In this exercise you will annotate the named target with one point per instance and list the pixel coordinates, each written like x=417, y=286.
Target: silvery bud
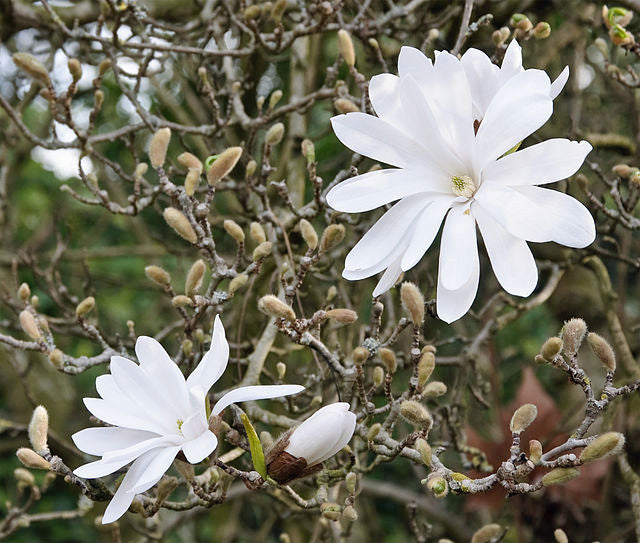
x=180, y=224
x=607, y=444
x=158, y=275
x=535, y=451
x=573, y=333
x=602, y=350
x=29, y=324
x=85, y=306
x=333, y=234
x=31, y=459
x=560, y=536
x=487, y=533
x=415, y=413
x=413, y=302
x=194, y=277
x=158, y=147
x=274, y=307
x=308, y=234
x=263, y=250
x=38, y=428
x=345, y=46
x=238, y=282
x=223, y=165
x=434, y=389
x=343, y=316
x=551, y=348
x=234, y=230
x=523, y=417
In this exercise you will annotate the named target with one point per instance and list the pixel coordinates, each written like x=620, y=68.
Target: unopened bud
x=622, y=170
x=308, y=150
x=281, y=369
x=180, y=224
x=29, y=325
x=262, y=251
x=345, y=46
x=181, y=301
x=333, y=234
x=330, y=511
x=252, y=12
x=274, y=307
x=551, y=348
x=158, y=147
x=32, y=66
x=24, y=476
x=250, y=169
x=500, y=36
x=274, y=134
x=487, y=533
x=257, y=232
x=31, y=459
x=24, y=292
x=559, y=476
x=359, y=355
x=223, y=165
x=158, y=275
x=75, y=69
x=415, y=413
x=275, y=97
x=343, y=316
x=535, y=451
x=190, y=161
x=602, y=46
x=424, y=449
x=104, y=66
x=38, y=428
x=187, y=347
x=191, y=181
x=378, y=376
x=56, y=357
x=620, y=36
x=602, y=350
x=344, y=105
x=607, y=444
x=194, y=277
x=308, y=234
x=521, y=21
x=234, y=230
x=374, y=431
x=413, y=302
x=85, y=306
x=185, y=469
x=238, y=282
x=388, y=358
x=426, y=365
x=560, y=536
x=542, y=30
x=165, y=487
x=438, y=485
x=523, y=417
x=435, y=389
x=350, y=514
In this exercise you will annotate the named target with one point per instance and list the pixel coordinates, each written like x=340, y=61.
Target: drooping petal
x=458, y=248
x=200, y=447
x=154, y=470
x=483, y=77
x=510, y=257
x=101, y=440
x=257, y=392
x=512, y=62
x=389, y=278
x=384, y=95
x=546, y=162
x=559, y=83
x=454, y=304
x=519, y=108
x=214, y=361
x=373, y=189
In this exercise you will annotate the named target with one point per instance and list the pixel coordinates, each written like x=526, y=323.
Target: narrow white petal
x=546, y=162
x=99, y=468
x=389, y=278
x=519, y=108
x=214, y=361
x=199, y=448
x=374, y=189
x=512, y=62
x=559, y=83
x=155, y=470
x=121, y=416
x=412, y=61
x=454, y=304
x=482, y=75
x=458, y=248
x=195, y=424
x=100, y=440
x=510, y=257
x=385, y=261
x=128, y=454
x=384, y=95
x=258, y=392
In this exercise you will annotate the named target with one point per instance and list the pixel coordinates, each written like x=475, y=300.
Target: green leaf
x=257, y=455
x=208, y=161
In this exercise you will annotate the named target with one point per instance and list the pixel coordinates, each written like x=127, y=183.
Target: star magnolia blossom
x=448, y=128
x=155, y=414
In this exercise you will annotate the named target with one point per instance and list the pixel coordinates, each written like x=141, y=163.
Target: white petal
x=196, y=423
x=258, y=392
x=511, y=258
x=546, y=162
x=458, y=248
x=101, y=440
x=559, y=83
x=108, y=389
x=377, y=139
x=389, y=278
x=384, y=95
x=482, y=75
x=374, y=189
x=199, y=448
x=347, y=428
x=384, y=236
x=121, y=416
x=412, y=61
x=393, y=257
x=512, y=62
x=99, y=468
x=519, y=108
x=138, y=449
x=214, y=362
x=425, y=230
x=155, y=470
x=453, y=304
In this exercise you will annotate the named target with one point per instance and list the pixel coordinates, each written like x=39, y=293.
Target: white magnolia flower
x=317, y=439
x=451, y=168
x=155, y=414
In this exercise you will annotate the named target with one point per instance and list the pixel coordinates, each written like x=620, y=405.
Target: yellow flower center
x=463, y=185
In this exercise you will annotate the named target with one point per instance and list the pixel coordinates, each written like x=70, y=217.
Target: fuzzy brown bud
x=602, y=350
x=487, y=533
x=180, y=224
x=158, y=147
x=573, y=333
x=274, y=134
x=308, y=233
x=29, y=324
x=262, y=251
x=257, y=232
x=523, y=417
x=424, y=449
x=38, y=429
x=378, y=376
x=535, y=451
x=344, y=105
x=223, y=165
x=274, y=307
x=190, y=161
x=560, y=536
x=24, y=292
x=343, y=316
x=194, y=278
x=415, y=413
x=85, y=306
x=426, y=365
x=388, y=358
x=191, y=181
x=434, y=389
x=551, y=348
x=359, y=355
x=607, y=444
x=559, y=476
x=31, y=459
x=181, y=301
x=158, y=275
x=238, y=282
x=234, y=230
x=75, y=69
x=345, y=46
x=332, y=236
x=32, y=66
x=413, y=302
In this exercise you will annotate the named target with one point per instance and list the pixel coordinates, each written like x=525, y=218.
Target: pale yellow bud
x=332, y=292
x=438, y=485
x=31, y=459
x=374, y=431
x=602, y=350
x=250, y=168
x=252, y=12
x=308, y=150
x=158, y=147
x=223, y=165
x=238, y=282
x=263, y=250
x=191, y=181
x=281, y=369
x=180, y=224
x=330, y=511
x=486, y=533
x=75, y=69
x=139, y=172
x=187, y=347
x=560, y=536
x=415, y=413
x=542, y=30
x=388, y=358
x=234, y=230
x=349, y=514
x=345, y=46
x=535, y=451
x=29, y=325
x=424, y=449
x=194, y=278
x=38, y=428
x=158, y=275
x=274, y=134
x=308, y=234
x=378, y=376
x=56, y=357
x=24, y=476
x=551, y=348
x=181, y=301
x=275, y=97
x=523, y=417
x=104, y=66
x=85, y=306
x=190, y=161
x=344, y=105
x=434, y=389
x=271, y=305
x=359, y=355
x=332, y=236
x=257, y=232
x=343, y=316
x=350, y=482
x=413, y=302
x=32, y=66
x=607, y=444
x=559, y=476
x=426, y=365
x=24, y=292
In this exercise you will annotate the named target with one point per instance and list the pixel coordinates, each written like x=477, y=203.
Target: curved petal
x=412, y=61
x=258, y=392
x=519, y=108
x=483, y=76
x=154, y=470
x=546, y=162
x=454, y=304
x=510, y=257
x=196, y=423
x=512, y=62
x=214, y=362
x=388, y=279
x=458, y=248
x=374, y=189
x=101, y=440
x=393, y=257
x=347, y=428
x=135, y=450
x=121, y=416
x=384, y=95
x=199, y=448
x=559, y=83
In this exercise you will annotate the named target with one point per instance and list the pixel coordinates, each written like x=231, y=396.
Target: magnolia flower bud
x=424, y=449
x=378, y=376
x=238, y=282
x=486, y=533
x=426, y=365
x=349, y=513
x=345, y=46
x=343, y=316
x=559, y=476
x=38, y=428
x=181, y=301
x=24, y=292
x=535, y=451
x=75, y=69
x=85, y=306
x=281, y=369
x=189, y=161
x=252, y=12
x=523, y=417
x=24, y=476
x=234, y=230
x=602, y=350
x=223, y=165
x=158, y=147
x=388, y=358
x=194, y=277
x=29, y=325
x=350, y=482
x=263, y=250
x=415, y=413
x=500, y=36
x=275, y=97
x=274, y=134
x=56, y=357
x=257, y=232
x=344, y=105
x=542, y=30
x=31, y=459
x=333, y=234
x=620, y=36
x=308, y=234
x=274, y=307
x=551, y=348
x=158, y=275
x=374, y=431
x=438, y=485
x=359, y=355
x=165, y=487
x=180, y=224
x=521, y=21
x=318, y=438
x=185, y=469
x=434, y=389
x=32, y=66
x=308, y=150
x=560, y=536
x=191, y=181
x=330, y=511
x=607, y=444
x=413, y=302
x=250, y=168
